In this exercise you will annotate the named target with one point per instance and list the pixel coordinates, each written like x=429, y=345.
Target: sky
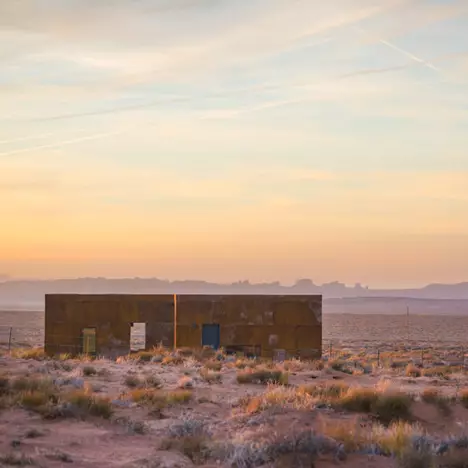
x=235, y=139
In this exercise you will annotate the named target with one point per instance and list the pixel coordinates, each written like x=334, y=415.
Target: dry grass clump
x=211, y=376
x=195, y=447
x=4, y=385
x=34, y=399
x=359, y=399
x=172, y=361
x=213, y=365
x=185, y=382
x=160, y=398
x=464, y=397
x=191, y=437
x=90, y=404
x=454, y=459
x=243, y=363
x=262, y=376
x=30, y=384
x=294, y=365
x=392, y=406
x=442, y=372
x=89, y=371
x=414, y=458
x=348, y=432
x=339, y=365
x=434, y=396
x=16, y=459
x=395, y=439
x=153, y=381
x=325, y=393
x=133, y=381
x=277, y=397
x=412, y=371
x=37, y=354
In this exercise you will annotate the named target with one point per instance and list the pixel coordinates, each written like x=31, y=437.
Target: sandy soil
x=136, y=434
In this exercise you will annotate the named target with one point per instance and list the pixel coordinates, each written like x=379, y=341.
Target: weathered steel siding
x=293, y=323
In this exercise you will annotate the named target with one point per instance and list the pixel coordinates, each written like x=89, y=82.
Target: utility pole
x=407, y=324
x=175, y=322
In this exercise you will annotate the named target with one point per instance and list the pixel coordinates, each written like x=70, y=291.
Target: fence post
x=378, y=357
x=9, y=339
x=330, y=352
x=422, y=357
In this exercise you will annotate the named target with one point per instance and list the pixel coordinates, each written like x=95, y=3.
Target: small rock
x=15, y=443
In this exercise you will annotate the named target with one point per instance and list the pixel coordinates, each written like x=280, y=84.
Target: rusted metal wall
x=292, y=323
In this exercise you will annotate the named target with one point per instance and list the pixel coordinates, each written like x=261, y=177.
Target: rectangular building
x=256, y=324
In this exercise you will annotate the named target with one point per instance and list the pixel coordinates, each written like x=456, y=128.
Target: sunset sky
x=235, y=139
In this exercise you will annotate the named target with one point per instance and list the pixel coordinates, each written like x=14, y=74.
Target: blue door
x=210, y=335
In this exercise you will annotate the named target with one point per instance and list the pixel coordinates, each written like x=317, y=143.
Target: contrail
x=410, y=55
x=62, y=143
x=32, y=137
x=399, y=49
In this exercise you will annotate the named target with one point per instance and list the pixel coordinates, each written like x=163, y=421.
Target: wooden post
x=378, y=357
x=330, y=352
x=9, y=339
x=175, y=321
x=422, y=357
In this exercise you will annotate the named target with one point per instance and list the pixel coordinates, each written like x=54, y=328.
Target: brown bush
x=412, y=371
x=262, y=376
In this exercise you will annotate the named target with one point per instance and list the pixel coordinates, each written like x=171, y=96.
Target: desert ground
x=166, y=408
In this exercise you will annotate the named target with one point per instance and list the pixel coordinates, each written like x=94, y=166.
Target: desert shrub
x=398, y=363
x=16, y=459
x=160, y=398
x=185, y=382
x=179, y=396
x=454, y=459
x=414, y=458
x=185, y=352
x=412, y=371
x=37, y=354
x=440, y=371
x=196, y=447
x=33, y=399
x=464, y=397
x=145, y=356
x=392, y=406
x=327, y=392
x=132, y=381
x=33, y=434
x=396, y=439
x=244, y=453
x=339, y=365
x=213, y=365
x=294, y=365
x=245, y=363
x=4, y=385
x=91, y=404
x=172, y=361
x=262, y=376
x=347, y=432
x=31, y=384
x=434, y=396
x=359, y=399
x=89, y=371
x=153, y=381
x=210, y=376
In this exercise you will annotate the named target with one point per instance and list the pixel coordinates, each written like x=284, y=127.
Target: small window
x=137, y=336
x=89, y=341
